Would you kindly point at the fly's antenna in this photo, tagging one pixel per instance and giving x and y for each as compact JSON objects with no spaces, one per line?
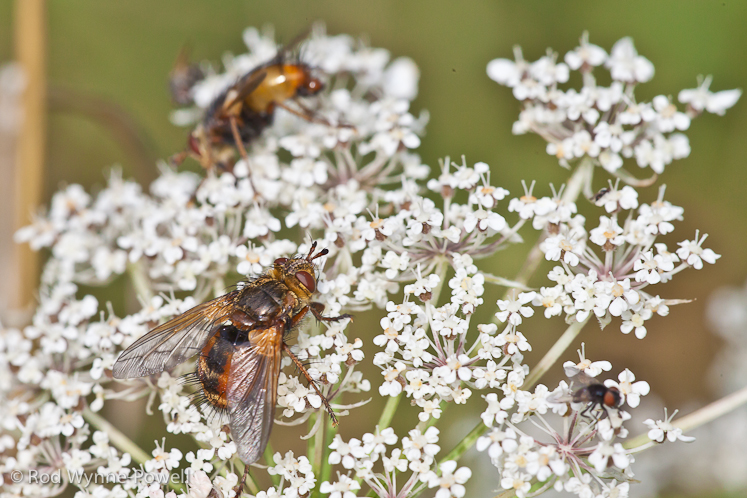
{"x":313,"y":246}
{"x":321,"y":253}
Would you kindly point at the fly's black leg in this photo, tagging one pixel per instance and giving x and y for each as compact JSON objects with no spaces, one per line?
{"x":317,"y":309}
{"x":305,"y":373}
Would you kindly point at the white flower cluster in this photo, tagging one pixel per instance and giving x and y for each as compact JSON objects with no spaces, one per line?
{"x":605,"y":124}
{"x":360,"y":190}
{"x":200,"y":234}
{"x":576,"y":458}
{"x":607,"y":271}
{"x":603,"y":271}
{"x":416,"y":453}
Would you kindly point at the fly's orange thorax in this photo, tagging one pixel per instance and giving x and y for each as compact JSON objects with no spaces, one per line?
{"x":213,"y":369}
{"x":281,"y":83}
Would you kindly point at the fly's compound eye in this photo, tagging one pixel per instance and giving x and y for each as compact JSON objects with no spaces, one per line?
{"x":281,"y":261}
{"x":313,"y":86}
{"x":612,"y":398}
{"x":306,"y":280}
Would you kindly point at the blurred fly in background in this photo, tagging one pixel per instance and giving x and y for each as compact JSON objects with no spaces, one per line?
{"x":240,"y":113}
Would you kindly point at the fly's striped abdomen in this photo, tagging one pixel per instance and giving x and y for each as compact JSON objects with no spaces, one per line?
{"x":214,"y":364}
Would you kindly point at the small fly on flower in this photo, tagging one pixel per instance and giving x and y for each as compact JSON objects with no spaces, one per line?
{"x":242,"y":112}
{"x":240,"y":338}
{"x":602,"y":192}
{"x":587,"y":389}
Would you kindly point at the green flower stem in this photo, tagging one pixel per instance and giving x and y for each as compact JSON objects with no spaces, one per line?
{"x":554,"y":353}
{"x":249,"y":483}
{"x":314,"y":451}
{"x":633,"y":181}
{"x":271,"y":463}
{"x":464,"y":444}
{"x":320,"y":464}
{"x":433,"y":421}
{"x":504,"y":282}
{"x":712,"y":411}
{"x":580,"y":180}
{"x":530,"y":265}
{"x":388,"y":414}
{"x":698,"y":417}
{"x":116,"y":437}
{"x":140,"y":280}
{"x":125,"y":444}
{"x":329,"y":435}
{"x":441,"y":269}
{"x":313,"y":445}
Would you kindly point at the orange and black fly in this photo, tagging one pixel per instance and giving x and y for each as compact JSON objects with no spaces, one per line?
{"x":240,"y":338}
{"x":241,"y":113}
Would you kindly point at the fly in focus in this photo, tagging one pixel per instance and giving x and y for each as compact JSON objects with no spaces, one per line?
{"x":241,"y":113}
{"x":240,"y":338}
{"x":587,"y":389}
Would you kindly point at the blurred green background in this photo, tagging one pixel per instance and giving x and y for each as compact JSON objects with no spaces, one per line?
{"x":119,"y":54}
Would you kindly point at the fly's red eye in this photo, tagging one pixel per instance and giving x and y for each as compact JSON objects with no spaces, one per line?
{"x":306,"y":280}
{"x":610,"y":398}
{"x":314,"y":85}
{"x":281,"y":261}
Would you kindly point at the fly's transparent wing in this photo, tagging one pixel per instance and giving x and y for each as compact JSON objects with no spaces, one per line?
{"x":574,"y":389}
{"x":293,"y":45}
{"x":585,"y":388}
{"x":252,"y":391}
{"x":582,"y":379}
{"x":562,"y":394}
{"x":173,"y":342}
